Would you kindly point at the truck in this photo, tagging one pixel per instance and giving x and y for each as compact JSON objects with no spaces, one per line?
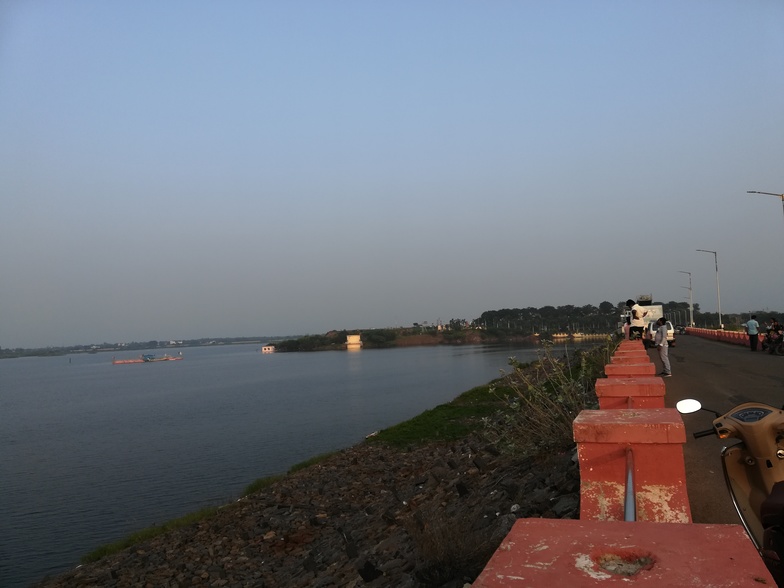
{"x":653,"y":311}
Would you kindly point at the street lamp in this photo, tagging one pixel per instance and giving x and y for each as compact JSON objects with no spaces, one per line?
{"x":691,"y":303}
{"x":718,"y":295}
{"x":769,"y":194}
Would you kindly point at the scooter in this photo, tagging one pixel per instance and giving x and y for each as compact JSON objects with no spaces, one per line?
{"x":754,"y":473}
{"x":773,"y":343}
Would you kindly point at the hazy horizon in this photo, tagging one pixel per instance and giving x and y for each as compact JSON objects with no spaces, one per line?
{"x":187,"y":169}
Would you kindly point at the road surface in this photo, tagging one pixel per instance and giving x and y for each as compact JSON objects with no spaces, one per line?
{"x":719,"y":375}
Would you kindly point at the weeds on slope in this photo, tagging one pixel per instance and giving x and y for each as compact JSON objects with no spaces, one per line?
{"x":542,"y":399}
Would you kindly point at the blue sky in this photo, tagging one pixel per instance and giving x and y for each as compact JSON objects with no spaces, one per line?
{"x":188,"y":169}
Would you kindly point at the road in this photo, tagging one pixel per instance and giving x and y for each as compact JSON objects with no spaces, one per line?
{"x":719,"y":375}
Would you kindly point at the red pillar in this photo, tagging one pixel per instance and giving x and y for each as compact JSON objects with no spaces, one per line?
{"x":642,"y":392}
{"x":629,"y":370}
{"x":544,"y":553}
{"x":656,"y":437}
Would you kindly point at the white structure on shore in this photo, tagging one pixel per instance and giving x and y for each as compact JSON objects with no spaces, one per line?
{"x":353,"y":342}
{"x":268,"y":349}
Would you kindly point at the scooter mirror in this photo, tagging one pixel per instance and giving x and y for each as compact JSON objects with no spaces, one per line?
{"x":688,"y":406}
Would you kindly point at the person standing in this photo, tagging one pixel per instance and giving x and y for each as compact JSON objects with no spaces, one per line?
{"x":752,"y":329}
{"x":660,"y":339}
{"x":637,"y":324}
{"x":773,"y":337}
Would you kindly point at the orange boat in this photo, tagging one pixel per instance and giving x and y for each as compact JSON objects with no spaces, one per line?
{"x":147,"y":358}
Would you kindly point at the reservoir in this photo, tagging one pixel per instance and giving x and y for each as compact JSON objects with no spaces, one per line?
{"x":92,"y":452}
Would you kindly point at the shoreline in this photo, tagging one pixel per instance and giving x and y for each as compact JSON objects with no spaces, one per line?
{"x":367,"y":514}
{"x":381,"y":493}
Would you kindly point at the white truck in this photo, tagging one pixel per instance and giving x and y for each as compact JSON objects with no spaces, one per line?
{"x":653,"y":312}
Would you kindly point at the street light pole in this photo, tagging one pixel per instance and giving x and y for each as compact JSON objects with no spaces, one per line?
{"x":769,"y":194}
{"x":718,"y":295}
{"x":691,"y":300}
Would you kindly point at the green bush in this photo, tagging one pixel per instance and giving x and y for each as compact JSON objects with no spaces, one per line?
{"x":445,"y":422}
{"x":542,"y":399}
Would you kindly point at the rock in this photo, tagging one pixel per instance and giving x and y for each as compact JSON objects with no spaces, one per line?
{"x":566,"y":505}
{"x":344,"y":522}
{"x":369,"y":572}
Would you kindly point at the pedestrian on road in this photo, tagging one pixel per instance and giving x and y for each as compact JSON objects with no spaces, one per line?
{"x":637,"y":323}
{"x":661,"y":344}
{"x":752,"y":329}
{"x":773,"y":335}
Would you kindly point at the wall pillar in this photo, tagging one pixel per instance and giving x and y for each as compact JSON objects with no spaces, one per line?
{"x":630,"y":370}
{"x":545,"y":552}
{"x":642,"y":392}
{"x":656,"y":437}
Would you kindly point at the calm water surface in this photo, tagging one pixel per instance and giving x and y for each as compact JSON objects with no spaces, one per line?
{"x":93,"y":451}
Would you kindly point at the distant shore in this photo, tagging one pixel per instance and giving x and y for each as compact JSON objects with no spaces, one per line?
{"x":334,"y":340}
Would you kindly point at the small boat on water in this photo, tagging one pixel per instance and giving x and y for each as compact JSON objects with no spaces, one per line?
{"x":148,"y":358}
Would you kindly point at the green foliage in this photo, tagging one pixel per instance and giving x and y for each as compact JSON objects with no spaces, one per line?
{"x":309,"y":462}
{"x":260,"y":484}
{"x":543,"y":399}
{"x":443,"y":423}
{"x":332,"y":340}
{"x":379,"y":337}
{"x":149,"y":533}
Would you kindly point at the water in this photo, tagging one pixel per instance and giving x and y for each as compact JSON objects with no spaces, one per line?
{"x":93,"y":451}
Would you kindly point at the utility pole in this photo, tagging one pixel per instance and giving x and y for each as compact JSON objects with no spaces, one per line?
{"x":691,"y":300}
{"x":769,"y":194}
{"x":718,"y":294}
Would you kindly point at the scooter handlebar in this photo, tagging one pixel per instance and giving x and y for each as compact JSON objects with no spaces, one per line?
{"x":699,"y":434}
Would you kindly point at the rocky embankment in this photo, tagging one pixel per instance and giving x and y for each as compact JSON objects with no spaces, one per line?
{"x":367,"y":516}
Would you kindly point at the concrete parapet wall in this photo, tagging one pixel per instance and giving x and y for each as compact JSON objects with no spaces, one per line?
{"x":640,"y":392}
{"x":630,"y":370}
{"x":655,"y":437}
{"x":662,"y":547}
{"x":735,"y":337}
{"x":629,"y":357}
{"x":545,"y":553}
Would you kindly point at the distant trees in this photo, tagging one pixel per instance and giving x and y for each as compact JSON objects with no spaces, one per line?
{"x":332,"y":340}
{"x":379,"y":337}
{"x":587,"y":318}
{"x":606,"y":307}
{"x":457,"y":324}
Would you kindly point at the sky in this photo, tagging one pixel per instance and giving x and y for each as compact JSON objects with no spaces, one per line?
{"x":188,"y":169}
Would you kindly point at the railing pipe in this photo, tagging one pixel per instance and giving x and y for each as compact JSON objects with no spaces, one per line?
{"x":630,"y":503}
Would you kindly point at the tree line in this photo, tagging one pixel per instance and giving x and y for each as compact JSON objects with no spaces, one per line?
{"x":503,"y":323}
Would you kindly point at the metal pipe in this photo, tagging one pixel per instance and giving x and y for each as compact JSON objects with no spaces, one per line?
{"x":630,"y":502}
{"x":691,"y":303}
{"x":718,"y":293}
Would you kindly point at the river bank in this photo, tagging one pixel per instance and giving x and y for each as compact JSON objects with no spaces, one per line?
{"x":369,"y":515}
{"x":389,"y":511}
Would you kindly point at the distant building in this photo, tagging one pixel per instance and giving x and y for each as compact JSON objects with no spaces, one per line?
{"x":353,"y":342}
{"x":268,"y":349}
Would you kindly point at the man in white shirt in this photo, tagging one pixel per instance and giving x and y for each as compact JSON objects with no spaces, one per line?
{"x":637,"y":324}
{"x":752,"y":330}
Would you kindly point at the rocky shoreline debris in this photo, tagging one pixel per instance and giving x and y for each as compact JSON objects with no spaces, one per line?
{"x":369,"y":515}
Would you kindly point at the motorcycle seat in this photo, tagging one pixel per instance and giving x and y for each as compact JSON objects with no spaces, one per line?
{"x":772,"y":508}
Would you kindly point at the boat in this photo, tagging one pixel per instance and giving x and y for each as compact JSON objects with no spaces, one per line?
{"x":147,"y":358}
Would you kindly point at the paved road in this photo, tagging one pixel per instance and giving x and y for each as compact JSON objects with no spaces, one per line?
{"x":719,"y":375}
